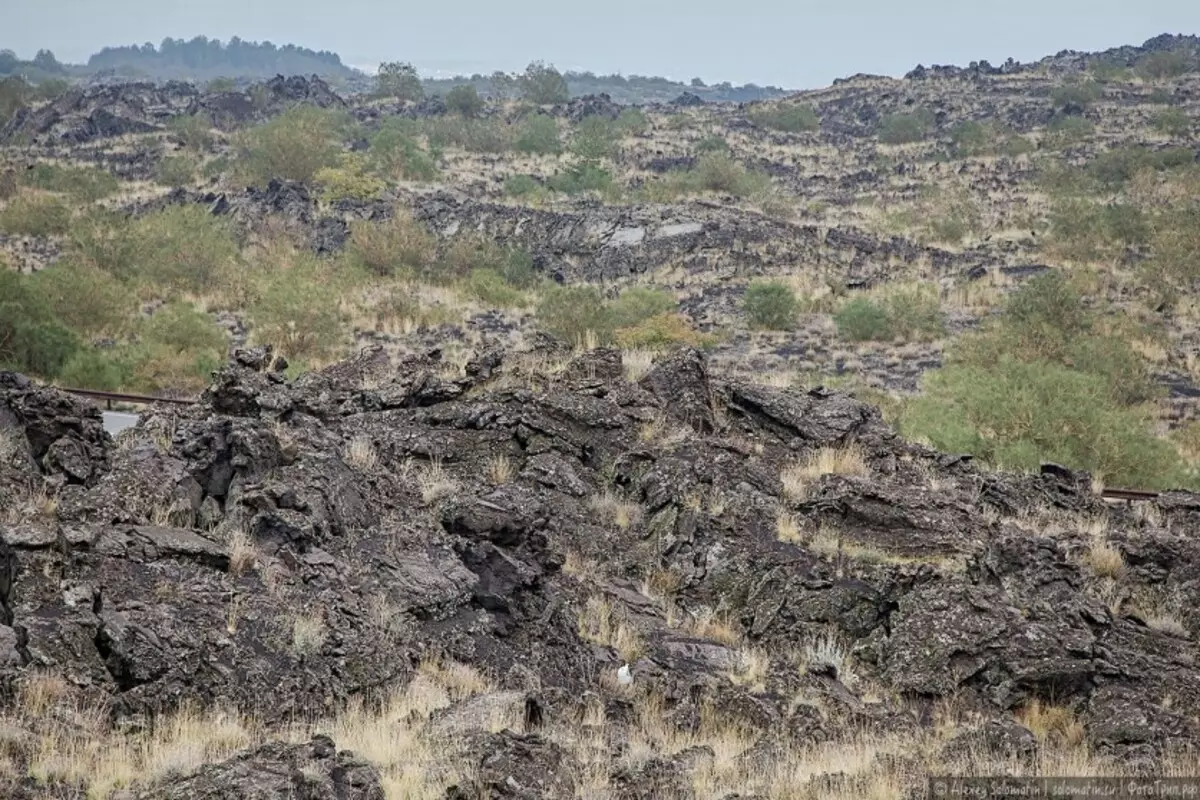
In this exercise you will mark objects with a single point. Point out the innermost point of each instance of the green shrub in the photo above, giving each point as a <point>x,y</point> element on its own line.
<point>51,89</point>
<point>192,131</point>
<point>222,84</point>
<point>1172,122</point>
<point>715,172</point>
<point>1073,96</point>
<point>180,348</point>
<point>914,313</point>
<point>771,305</point>
<point>396,154</point>
<point>905,128</point>
<point>521,186</point>
<point>397,246</point>
<point>511,264</point>
<point>175,171</point>
<point>472,135</point>
<point>1111,170</point>
<point>83,184</point>
<point>178,249</point>
<point>582,176</point>
<point>99,370</point>
<point>660,332</point>
<point>88,300</point>
<point>572,312</point>
<point>632,122</point>
<point>293,146</point>
<point>399,80</point>
<point>1162,65</point>
<point>789,117</point>
<point>489,287</point>
<point>538,134</point>
<point>1046,321</point>
<point>1016,414</point>
<point>35,215</point>
<point>465,100</point>
<point>863,320</point>
<point>1068,130</point>
<point>32,339</point>
<point>297,312</point>
<point>638,304</point>
<point>349,180</point>
<point>594,138</point>
<point>15,94</point>
<point>712,144</point>
<point>542,84</point>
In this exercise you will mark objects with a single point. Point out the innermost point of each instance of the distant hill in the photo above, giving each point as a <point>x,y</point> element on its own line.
<point>202,58</point>
<point>622,88</point>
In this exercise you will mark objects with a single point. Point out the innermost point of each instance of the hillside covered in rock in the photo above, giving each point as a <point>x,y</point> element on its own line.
<point>389,578</point>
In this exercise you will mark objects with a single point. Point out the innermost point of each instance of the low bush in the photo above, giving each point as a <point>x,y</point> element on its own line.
<point>465,100</point>
<point>1172,122</point>
<point>1017,414</point>
<point>1074,97</point>
<point>297,311</point>
<point>489,287</point>
<point>511,264</point>
<point>522,186</point>
<point>349,180</point>
<point>472,135</point>
<point>82,184</point>
<point>637,304</point>
<point>192,131</point>
<point>175,171</point>
<point>179,348</point>
<point>771,305</point>
<point>87,299</point>
<point>572,312</point>
<point>594,138</point>
<point>582,176</point>
<point>178,249</point>
<point>632,122</point>
<point>788,117</point>
<point>909,313</point>
<point>863,320</point>
<point>397,246</point>
<point>538,134</point>
<point>661,331</point>
<point>1162,65</point>
<point>293,146</point>
<point>32,339</point>
<point>905,128</point>
<point>396,154</point>
<point>35,215</point>
<point>712,144</point>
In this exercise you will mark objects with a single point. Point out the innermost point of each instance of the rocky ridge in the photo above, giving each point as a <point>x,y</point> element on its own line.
<point>287,549</point>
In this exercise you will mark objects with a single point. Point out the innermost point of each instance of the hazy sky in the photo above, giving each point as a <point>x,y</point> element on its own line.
<point>796,44</point>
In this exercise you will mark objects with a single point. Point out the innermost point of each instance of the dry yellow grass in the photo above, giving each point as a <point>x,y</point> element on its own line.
<point>360,454</point>
<point>603,623</point>
<point>620,512</point>
<point>242,553</point>
<point>786,527</point>
<point>435,483</point>
<point>637,363</point>
<point>500,470</point>
<point>798,478</point>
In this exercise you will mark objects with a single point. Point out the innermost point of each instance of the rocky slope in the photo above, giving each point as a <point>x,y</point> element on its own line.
<point>460,560</point>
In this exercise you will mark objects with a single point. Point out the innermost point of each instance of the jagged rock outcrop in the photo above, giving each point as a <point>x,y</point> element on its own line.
<point>288,546</point>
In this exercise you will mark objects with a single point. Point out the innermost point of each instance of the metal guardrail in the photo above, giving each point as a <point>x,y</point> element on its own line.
<point>1128,494</point>
<point>117,397</point>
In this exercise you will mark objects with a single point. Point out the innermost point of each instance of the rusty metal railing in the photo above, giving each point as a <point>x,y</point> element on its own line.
<point>118,397</point>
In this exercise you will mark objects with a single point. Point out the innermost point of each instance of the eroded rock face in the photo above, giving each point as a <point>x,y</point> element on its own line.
<point>286,547</point>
